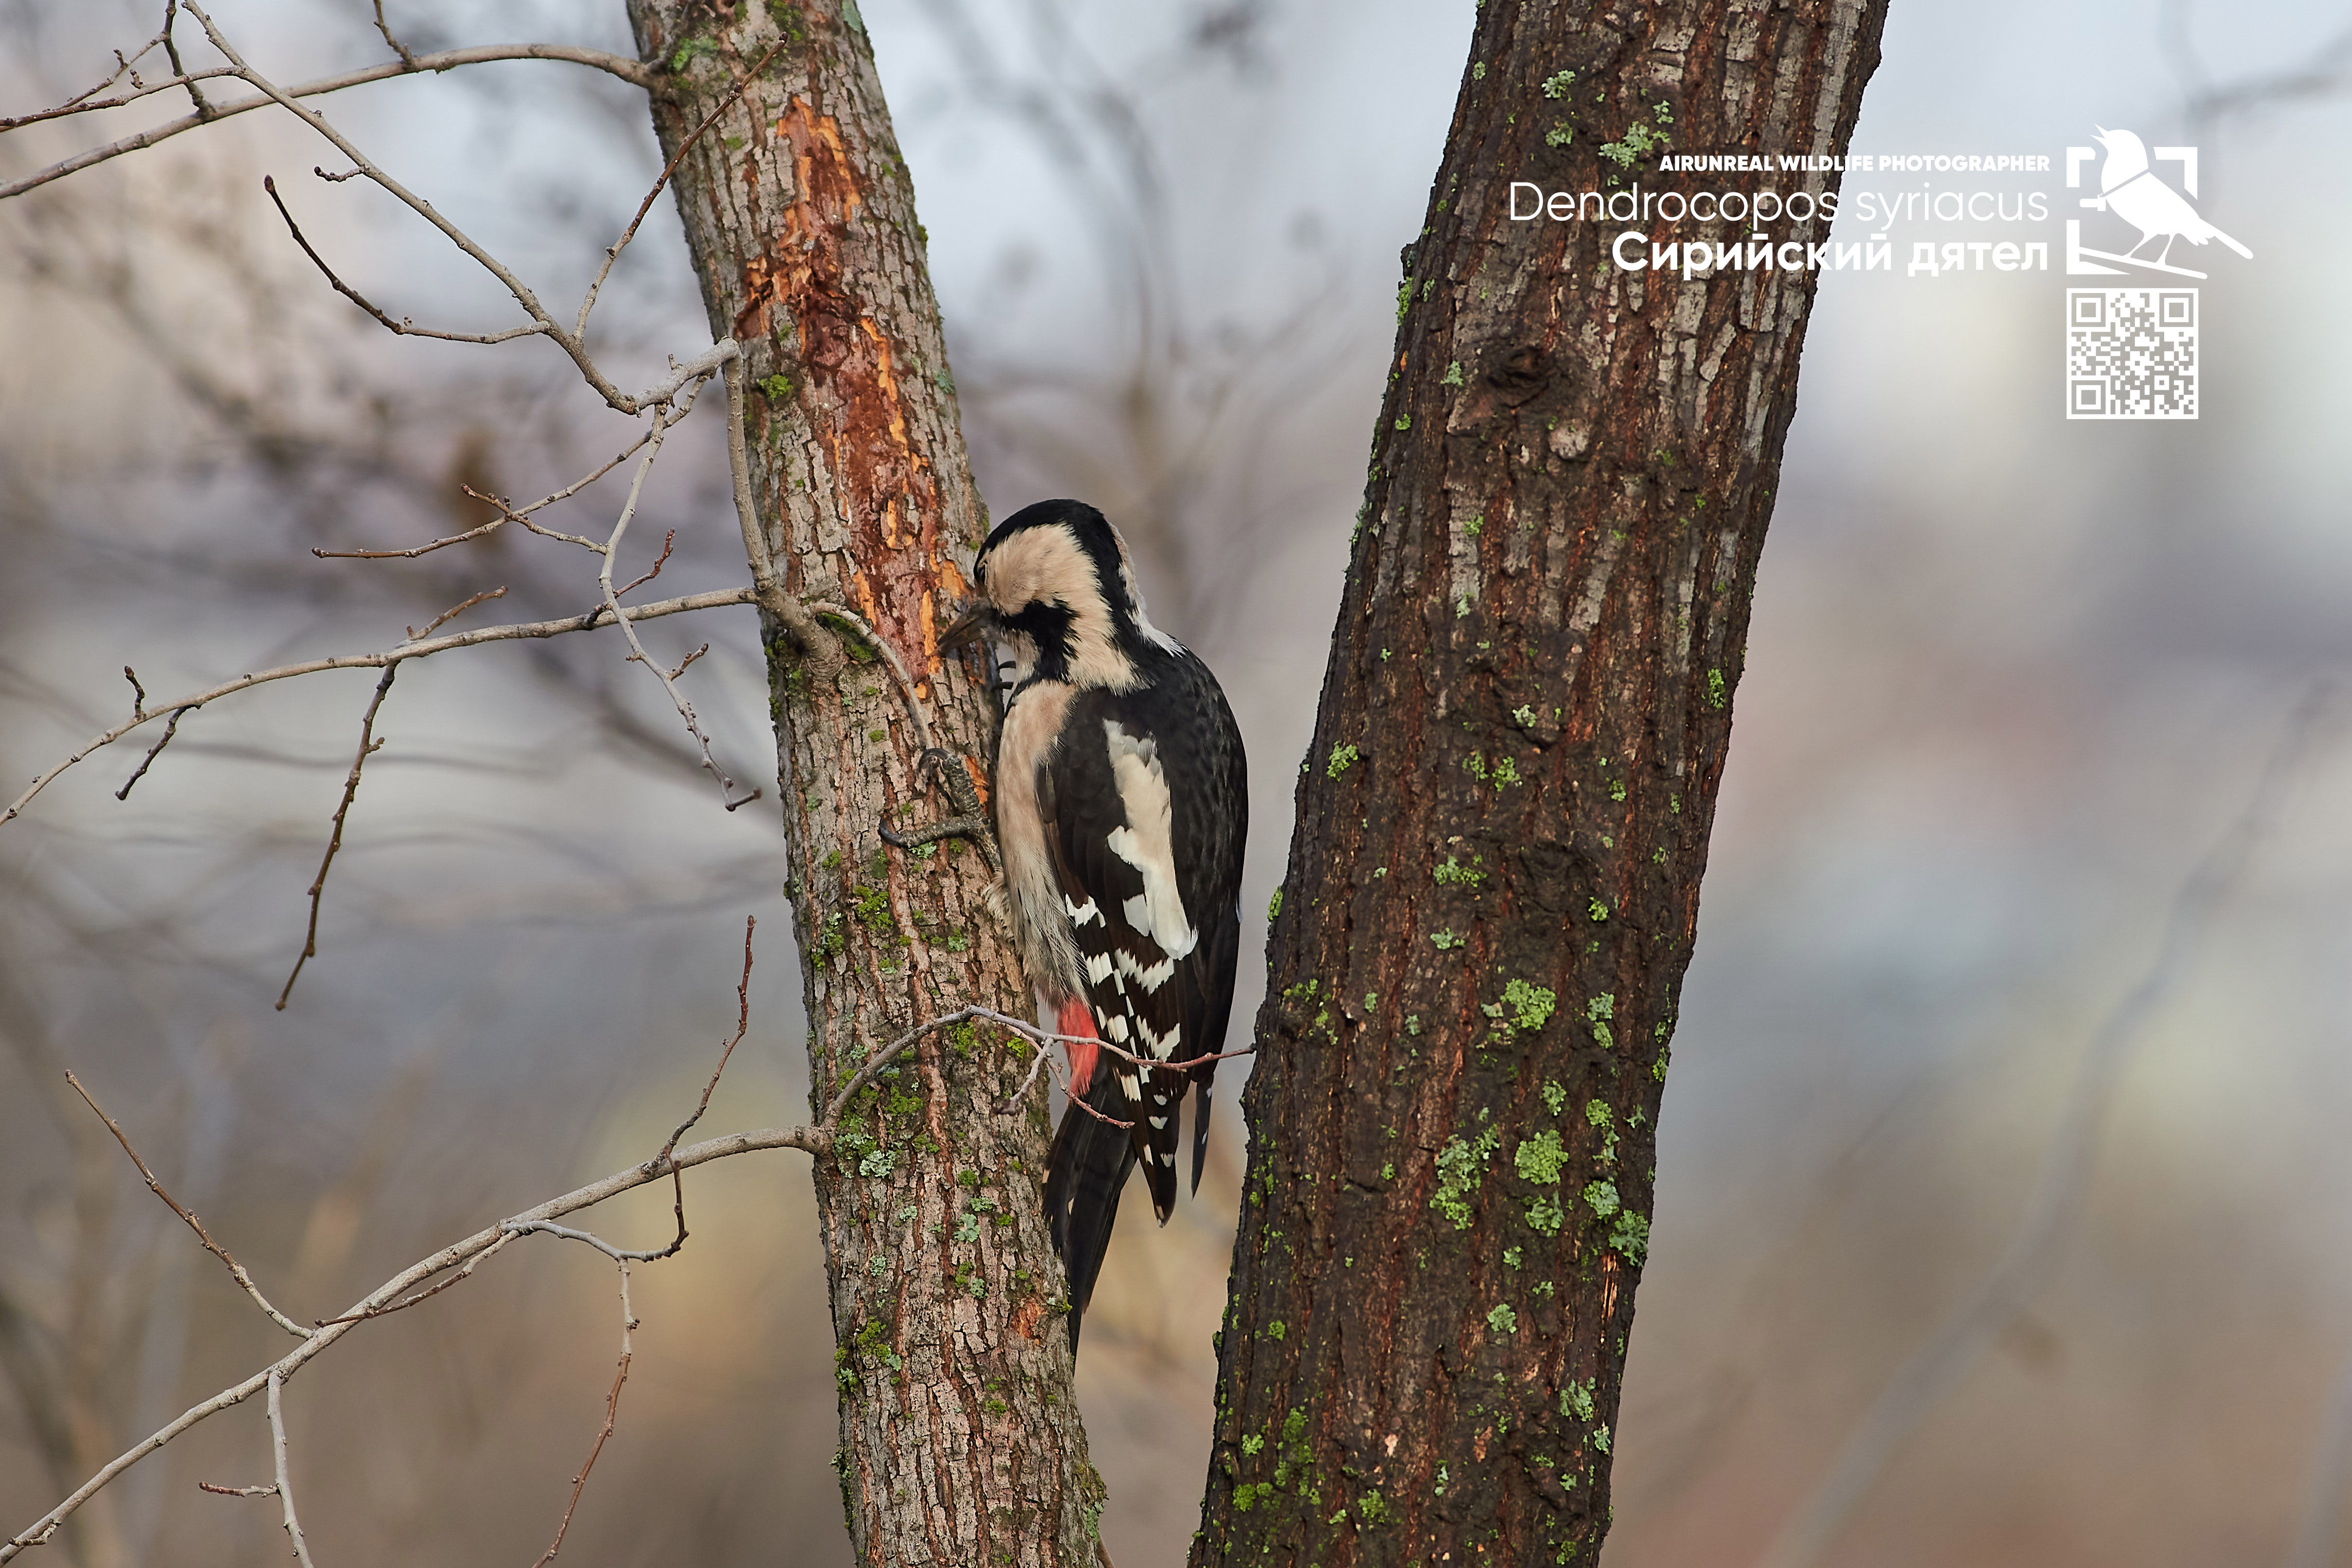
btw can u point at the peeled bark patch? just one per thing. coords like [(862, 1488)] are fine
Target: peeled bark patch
[(960, 1442)]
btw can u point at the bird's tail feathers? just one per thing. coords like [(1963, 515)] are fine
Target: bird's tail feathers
[(1199, 1127), (1089, 1166)]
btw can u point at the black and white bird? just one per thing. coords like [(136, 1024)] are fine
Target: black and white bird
[(1122, 800)]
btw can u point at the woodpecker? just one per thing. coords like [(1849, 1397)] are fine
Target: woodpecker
[(1122, 802)]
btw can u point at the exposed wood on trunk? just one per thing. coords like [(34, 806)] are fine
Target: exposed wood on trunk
[(1503, 817), (961, 1443)]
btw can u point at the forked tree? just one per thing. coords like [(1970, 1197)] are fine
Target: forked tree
[(1503, 821)]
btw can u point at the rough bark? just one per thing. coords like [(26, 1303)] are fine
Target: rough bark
[(960, 1442), (1503, 817)]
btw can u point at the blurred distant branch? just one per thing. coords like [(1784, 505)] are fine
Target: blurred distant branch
[(1932, 1370), (2325, 73), (599, 616)]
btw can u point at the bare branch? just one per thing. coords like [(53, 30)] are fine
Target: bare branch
[(546, 325), (612, 1412), (599, 616), (236, 1269), (454, 610), (405, 327), (367, 748), (138, 693), (269, 1490), (812, 1140), (628, 70), (285, 1482), (395, 1293)]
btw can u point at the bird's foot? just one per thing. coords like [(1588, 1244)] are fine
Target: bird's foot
[(968, 823)]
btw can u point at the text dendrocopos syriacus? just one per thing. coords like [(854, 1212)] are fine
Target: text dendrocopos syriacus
[(1122, 802)]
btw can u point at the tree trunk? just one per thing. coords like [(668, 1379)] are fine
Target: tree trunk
[(960, 1440), (1503, 817)]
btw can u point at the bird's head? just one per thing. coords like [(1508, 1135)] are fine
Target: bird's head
[(2124, 148), (1057, 587)]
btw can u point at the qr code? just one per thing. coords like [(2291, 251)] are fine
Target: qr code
[(2131, 353)]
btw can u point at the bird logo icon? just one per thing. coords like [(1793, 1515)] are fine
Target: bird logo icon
[(2131, 190)]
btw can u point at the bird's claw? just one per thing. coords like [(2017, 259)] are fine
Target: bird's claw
[(969, 820)]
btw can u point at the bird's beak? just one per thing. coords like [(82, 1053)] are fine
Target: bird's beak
[(976, 616)]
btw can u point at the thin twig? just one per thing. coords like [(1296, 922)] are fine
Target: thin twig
[(454, 611), (368, 748), (407, 57), (545, 324), (138, 693), (405, 327), (236, 1269), (613, 251), (122, 67), (285, 1482), (169, 730), (414, 550), (1904, 1405), (269, 1490), (612, 1413), (742, 1027), (587, 621), (727, 1054), (627, 69), (663, 419), (677, 1178), (459, 1278), (171, 52), (509, 515), (661, 561)]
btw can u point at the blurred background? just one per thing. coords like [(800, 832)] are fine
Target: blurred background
[(2012, 681)]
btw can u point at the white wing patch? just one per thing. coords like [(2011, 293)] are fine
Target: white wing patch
[(1151, 979), (1144, 842)]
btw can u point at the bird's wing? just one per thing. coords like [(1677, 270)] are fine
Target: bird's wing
[(1110, 837), (1146, 797)]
